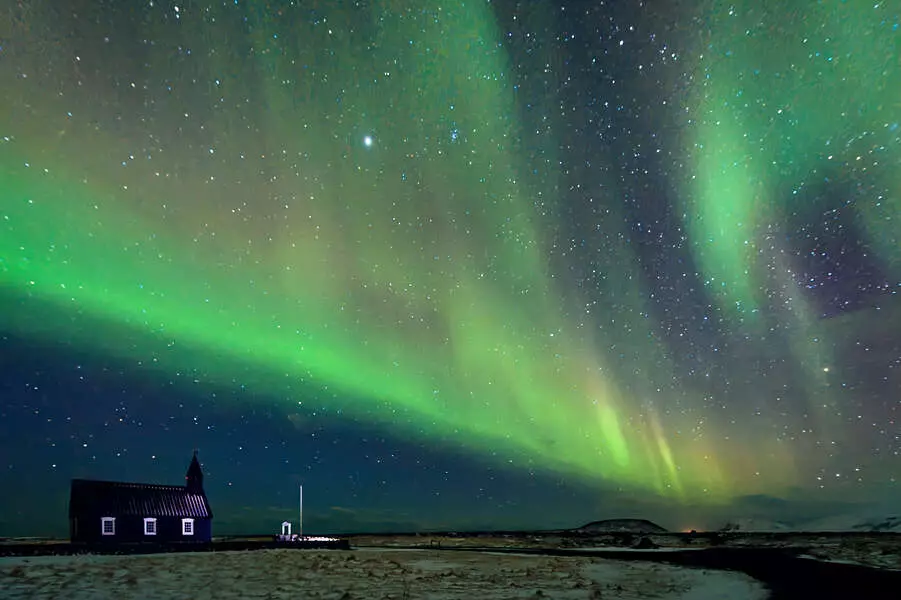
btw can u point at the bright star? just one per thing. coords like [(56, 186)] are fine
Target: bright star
[(367, 141)]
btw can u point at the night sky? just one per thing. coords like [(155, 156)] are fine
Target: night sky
[(453, 264)]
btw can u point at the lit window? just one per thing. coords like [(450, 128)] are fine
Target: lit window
[(150, 526), (187, 526), (108, 525)]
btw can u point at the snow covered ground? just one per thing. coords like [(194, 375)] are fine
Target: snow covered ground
[(363, 574)]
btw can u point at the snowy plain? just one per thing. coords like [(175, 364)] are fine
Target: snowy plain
[(362, 574)]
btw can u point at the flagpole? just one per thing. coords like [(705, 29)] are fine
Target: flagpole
[(300, 521)]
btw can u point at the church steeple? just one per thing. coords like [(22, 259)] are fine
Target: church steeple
[(194, 476)]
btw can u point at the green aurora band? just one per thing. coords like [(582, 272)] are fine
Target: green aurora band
[(787, 96), (262, 243)]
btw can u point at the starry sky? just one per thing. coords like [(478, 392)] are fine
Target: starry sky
[(452, 264)]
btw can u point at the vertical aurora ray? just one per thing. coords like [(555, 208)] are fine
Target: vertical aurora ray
[(788, 99), (785, 96)]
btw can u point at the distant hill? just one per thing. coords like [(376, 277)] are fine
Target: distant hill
[(842, 522), (883, 524), (621, 525)]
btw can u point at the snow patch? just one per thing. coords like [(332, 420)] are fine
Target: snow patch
[(292, 573)]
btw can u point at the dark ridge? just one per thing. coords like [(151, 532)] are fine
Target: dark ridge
[(626, 525)]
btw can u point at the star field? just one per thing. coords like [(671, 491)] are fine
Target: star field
[(448, 264)]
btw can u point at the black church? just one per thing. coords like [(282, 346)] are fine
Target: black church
[(114, 511)]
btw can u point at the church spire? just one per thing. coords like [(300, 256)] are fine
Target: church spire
[(194, 476)]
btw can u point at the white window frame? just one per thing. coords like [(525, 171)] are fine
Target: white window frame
[(112, 523), (187, 526), (152, 522)]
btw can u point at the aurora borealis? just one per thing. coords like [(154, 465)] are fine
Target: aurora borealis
[(651, 253)]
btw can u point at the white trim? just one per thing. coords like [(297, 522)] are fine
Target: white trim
[(187, 526), (151, 522), (103, 525), (286, 527)]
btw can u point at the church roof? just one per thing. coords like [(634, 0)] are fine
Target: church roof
[(90, 498)]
